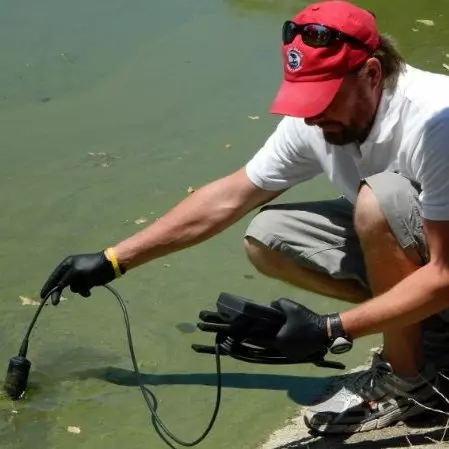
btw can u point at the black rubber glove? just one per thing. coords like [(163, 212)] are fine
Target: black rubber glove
[(304, 333), (80, 272), (258, 347)]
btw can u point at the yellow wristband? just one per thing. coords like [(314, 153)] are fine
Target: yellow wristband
[(110, 254)]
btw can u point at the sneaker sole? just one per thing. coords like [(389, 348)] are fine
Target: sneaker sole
[(386, 420)]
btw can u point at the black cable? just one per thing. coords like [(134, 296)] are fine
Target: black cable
[(19, 368), (24, 346), (149, 396), (164, 433)]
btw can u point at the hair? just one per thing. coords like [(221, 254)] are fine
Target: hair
[(391, 61)]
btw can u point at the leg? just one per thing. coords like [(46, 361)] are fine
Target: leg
[(387, 264), (388, 223), (310, 245), (275, 264)]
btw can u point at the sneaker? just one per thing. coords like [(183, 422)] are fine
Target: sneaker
[(377, 398)]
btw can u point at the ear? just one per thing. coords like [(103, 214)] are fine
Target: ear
[(373, 71)]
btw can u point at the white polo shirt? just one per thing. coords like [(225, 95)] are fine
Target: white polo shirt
[(410, 135)]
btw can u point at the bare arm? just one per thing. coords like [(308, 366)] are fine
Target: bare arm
[(423, 293), (203, 214)]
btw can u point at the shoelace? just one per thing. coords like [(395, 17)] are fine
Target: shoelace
[(364, 383)]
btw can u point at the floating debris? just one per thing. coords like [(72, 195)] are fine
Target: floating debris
[(427, 22), (253, 117), (190, 190), (68, 58), (140, 220), (228, 145), (74, 429), (33, 302), (415, 29), (248, 276), (28, 301), (167, 265), (446, 66), (45, 99), (103, 159)]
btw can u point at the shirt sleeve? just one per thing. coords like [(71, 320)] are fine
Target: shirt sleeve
[(434, 168), (285, 159)]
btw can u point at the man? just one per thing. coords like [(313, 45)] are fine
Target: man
[(379, 129)]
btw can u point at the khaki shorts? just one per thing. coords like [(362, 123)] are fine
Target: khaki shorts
[(320, 235)]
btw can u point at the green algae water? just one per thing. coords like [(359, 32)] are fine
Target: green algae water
[(110, 112)]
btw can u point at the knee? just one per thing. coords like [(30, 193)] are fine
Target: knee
[(259, 243), (258, 255), (369, 221)]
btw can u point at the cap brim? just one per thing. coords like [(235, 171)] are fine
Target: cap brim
[(305, 99)]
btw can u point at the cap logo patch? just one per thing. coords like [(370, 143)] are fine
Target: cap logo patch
[(294, 59)]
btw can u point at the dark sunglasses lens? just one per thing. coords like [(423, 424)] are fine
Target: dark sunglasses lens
[(316, 35), (289, 32)]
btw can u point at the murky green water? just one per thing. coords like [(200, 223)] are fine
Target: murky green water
[(109, 112)]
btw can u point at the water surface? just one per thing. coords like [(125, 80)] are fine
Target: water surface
[(109, 112)]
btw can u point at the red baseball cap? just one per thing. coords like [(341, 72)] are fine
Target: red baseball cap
[(313, 75)]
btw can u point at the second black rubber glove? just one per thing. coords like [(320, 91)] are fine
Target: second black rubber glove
[(304, 333), (80, 272)]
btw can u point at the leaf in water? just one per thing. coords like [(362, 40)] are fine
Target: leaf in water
[(33, 302), (253, 117), (140, 220), (73, 429), (427, 22), (190, 190), (28, 301), (446, 66)]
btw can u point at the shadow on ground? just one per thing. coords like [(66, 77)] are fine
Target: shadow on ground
[(301, 389), (428, 432)]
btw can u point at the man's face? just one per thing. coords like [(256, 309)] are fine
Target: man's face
[(350, 115)]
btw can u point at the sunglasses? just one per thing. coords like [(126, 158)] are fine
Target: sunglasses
[(316, 35)]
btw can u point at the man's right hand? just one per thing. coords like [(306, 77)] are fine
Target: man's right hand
[(81, 272)]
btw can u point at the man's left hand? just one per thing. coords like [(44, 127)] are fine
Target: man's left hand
[(304, 332)]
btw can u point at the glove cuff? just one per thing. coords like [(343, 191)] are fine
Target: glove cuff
[(119, 270)]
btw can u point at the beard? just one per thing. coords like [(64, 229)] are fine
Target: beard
[(356, 125), (344, 135)]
